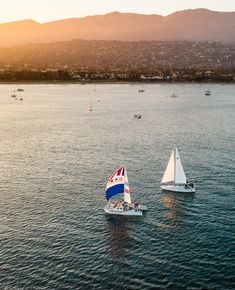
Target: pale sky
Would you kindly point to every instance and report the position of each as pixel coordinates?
(48, 10)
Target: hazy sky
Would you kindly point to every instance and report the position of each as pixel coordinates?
(46, 10)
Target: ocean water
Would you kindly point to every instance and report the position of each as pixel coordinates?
(56, 157)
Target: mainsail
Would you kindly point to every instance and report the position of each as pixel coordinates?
(180, 177)
(116, 183)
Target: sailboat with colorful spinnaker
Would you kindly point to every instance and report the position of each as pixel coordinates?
(118, 185)
(174, 178)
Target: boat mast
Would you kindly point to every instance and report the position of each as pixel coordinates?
(174, 164)
(127, 195)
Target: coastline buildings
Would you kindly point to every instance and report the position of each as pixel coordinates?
(82, 60)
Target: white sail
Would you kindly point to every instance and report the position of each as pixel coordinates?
(127, 195)
(180, 177)
(169, 174)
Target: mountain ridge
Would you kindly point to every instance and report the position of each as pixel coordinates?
(186, 25)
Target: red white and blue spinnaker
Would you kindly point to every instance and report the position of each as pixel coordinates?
(118, 184)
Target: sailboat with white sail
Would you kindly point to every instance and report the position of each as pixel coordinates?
(174, 178)
(173, 95)
(118, 185)
(90, 107)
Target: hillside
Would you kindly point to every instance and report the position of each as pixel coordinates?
(189, 25)
(120, 55)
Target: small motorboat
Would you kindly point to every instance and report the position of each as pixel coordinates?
(13, 95)
(20, 90)
(137, 116)
(207, 92)
(141, 91)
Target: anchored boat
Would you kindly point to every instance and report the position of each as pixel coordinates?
(117, 185)
(13, 95)
(174, 178)
(173, 95)
(137, 116)
(207, 92)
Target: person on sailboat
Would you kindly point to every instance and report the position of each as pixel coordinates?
(125, 206)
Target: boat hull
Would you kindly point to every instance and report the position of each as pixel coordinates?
(122, 212)
(120, 209)
(178, 188)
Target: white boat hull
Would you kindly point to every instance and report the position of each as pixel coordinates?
(179, 188)
(113, 209)
(123, 213)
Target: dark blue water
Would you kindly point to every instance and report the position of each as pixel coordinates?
(56, 157)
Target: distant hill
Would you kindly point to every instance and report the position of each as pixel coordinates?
(99, 55)
(189, 25)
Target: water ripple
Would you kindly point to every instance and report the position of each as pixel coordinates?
(55, 159)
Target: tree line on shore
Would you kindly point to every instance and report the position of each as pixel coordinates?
(183, 75)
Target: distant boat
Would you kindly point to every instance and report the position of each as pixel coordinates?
(13, 95)
(118, 184)
(98, 100)
(141, 91)
(207, 92)
(137, 116)
(20, 90)
(21, 99)
(90, 106)
(174, 178)
(173, 95)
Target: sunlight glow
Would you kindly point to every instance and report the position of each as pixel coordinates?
(44, 10)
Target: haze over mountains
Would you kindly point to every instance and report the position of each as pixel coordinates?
(190, 25)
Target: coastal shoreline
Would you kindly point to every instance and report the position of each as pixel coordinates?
(112, 82)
